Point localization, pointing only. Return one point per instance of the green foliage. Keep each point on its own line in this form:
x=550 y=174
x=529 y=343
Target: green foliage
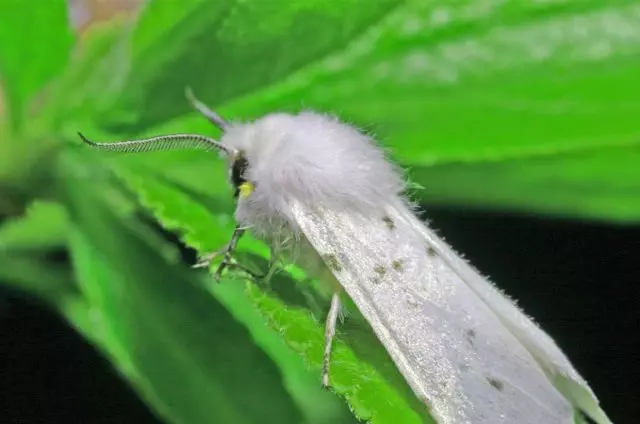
x=194 y=344
x=512 y=106
x=43 y=227
x=35 y=44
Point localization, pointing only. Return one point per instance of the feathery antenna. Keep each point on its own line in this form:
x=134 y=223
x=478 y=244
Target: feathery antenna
x=212 y=116
x=162 y=143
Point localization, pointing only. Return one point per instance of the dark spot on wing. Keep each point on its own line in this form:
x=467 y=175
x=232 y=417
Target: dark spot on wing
x=390 y=224
x=470 y=335
x=397 y=265
x=496 y=384
x=332 y=262
x=431 y=251
x=380 y=270
x=412 y=304
x=376 y=280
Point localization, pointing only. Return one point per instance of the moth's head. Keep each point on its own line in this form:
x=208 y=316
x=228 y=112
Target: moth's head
x=256 y=147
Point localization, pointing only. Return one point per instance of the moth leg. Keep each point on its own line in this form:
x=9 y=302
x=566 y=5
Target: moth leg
x=329 y=334
x=228 y=262
x=255 y=277
x=272 y=267
x=205 y=260
x=228 y=251
x=232 y=264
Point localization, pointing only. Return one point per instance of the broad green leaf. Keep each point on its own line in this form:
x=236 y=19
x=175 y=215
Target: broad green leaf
x=592 y=183
x=35 y=43
x=489 y=87
x=499 y=86
x=225 y=49
x=362 y=371
x=44 y=226
x=454 y=80
x=196 y=362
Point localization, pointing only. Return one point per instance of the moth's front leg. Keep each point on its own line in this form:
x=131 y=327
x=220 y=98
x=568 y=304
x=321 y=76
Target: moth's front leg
x=230 y=249
x=272 y=266
x=205 y=260
x=227 y=250
x=228 y=261
x=257 y=278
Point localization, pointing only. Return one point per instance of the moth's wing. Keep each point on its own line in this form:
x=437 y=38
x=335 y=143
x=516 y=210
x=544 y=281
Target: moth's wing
x=545 y=351
x=453 y=350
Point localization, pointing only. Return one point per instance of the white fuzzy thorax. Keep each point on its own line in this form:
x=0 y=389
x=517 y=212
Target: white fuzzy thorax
x=313 y=158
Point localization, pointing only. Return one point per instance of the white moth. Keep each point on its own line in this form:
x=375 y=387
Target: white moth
x=317 y=187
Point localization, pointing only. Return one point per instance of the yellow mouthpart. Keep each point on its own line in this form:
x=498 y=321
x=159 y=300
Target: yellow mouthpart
x=246 y=189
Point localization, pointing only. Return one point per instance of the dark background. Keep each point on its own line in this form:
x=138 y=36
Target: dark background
x=578 y=280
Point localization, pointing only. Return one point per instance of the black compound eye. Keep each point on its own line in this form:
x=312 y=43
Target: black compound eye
x=238 y=170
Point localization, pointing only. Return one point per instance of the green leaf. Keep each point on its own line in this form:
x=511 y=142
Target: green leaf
x=226 y=49
x=195 y=363
x=504 y=101
x=44 y=226
x=35 y=43
x=362 y=371
x=496 y=86
x=594 y=183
